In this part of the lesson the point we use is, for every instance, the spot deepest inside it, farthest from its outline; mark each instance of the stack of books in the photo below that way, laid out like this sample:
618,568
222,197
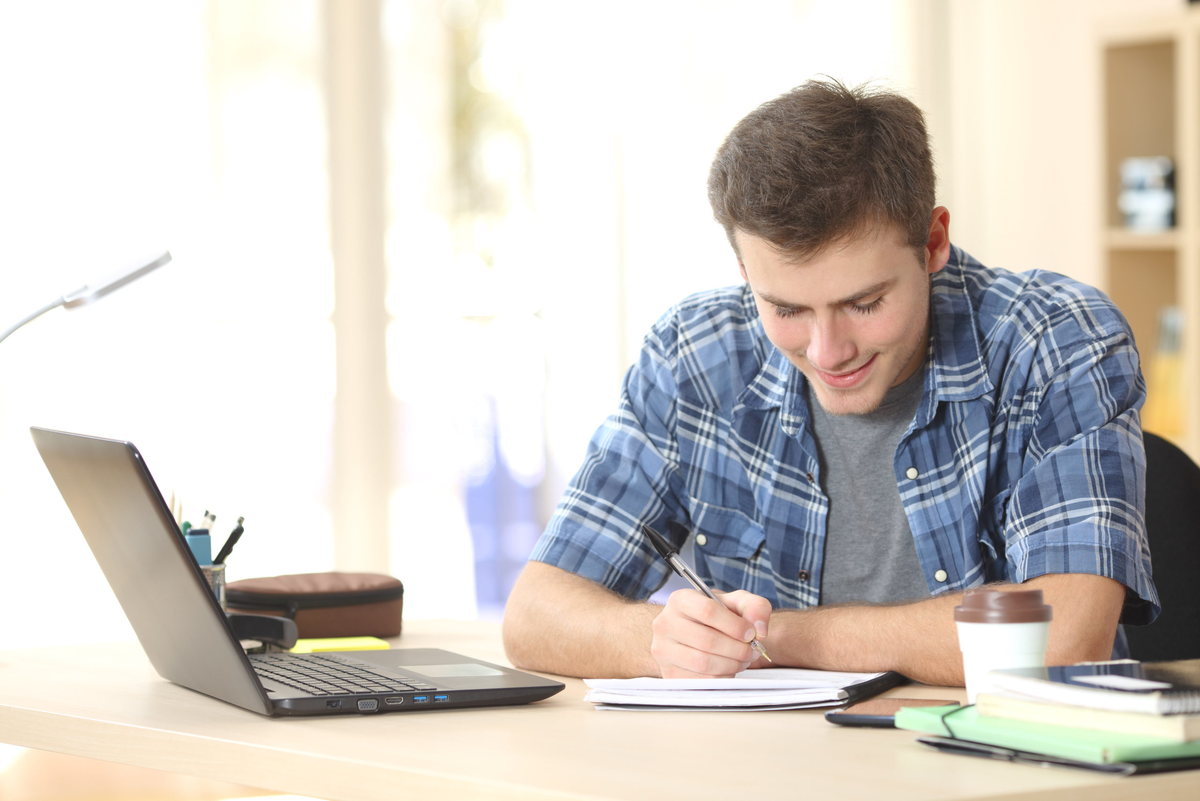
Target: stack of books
1119,717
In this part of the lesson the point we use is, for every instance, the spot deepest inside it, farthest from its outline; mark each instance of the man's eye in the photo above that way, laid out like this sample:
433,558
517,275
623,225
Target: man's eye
785,313
867,308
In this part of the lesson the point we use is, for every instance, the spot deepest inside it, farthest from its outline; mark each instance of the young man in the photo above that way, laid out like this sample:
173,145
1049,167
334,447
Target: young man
871,424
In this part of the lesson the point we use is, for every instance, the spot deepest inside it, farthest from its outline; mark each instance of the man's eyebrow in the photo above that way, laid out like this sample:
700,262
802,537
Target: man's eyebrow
857,296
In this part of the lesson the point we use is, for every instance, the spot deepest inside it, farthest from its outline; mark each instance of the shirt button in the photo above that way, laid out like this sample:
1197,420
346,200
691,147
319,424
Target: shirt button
940,575
811,479
911,472
803,575
701,539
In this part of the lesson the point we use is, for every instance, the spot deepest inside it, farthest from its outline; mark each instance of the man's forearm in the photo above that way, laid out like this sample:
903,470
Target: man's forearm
920,639
916,639
558,622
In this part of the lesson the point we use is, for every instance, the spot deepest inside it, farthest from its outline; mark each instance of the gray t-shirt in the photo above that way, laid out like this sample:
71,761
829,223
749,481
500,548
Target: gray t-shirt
869,550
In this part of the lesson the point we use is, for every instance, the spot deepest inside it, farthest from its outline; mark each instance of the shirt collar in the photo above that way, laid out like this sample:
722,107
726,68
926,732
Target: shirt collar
955,370
958,371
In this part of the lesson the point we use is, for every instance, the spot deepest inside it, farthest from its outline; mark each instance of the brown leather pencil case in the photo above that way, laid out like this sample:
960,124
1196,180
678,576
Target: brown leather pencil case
324,604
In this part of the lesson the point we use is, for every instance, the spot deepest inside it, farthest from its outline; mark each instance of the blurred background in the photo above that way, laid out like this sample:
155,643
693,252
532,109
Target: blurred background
418,242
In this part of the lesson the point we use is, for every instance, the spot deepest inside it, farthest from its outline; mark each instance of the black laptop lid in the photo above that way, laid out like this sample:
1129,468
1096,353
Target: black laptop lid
133,536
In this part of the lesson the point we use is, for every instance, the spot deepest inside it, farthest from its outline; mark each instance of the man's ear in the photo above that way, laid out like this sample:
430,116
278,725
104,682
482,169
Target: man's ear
742,269
937,248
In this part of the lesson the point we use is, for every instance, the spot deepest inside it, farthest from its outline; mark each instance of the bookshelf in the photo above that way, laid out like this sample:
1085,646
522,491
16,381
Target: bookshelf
1150,89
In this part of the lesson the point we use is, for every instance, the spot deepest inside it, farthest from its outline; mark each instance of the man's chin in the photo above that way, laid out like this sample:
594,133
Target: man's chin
860,400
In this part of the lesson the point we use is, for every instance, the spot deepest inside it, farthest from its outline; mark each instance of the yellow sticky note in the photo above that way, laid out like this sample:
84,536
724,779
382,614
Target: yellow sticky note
340,644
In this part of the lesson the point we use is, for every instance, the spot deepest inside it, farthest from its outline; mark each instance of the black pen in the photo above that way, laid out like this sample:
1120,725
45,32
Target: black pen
234,536
682,569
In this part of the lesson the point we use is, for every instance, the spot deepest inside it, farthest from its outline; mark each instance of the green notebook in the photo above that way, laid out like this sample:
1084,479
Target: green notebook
1084,745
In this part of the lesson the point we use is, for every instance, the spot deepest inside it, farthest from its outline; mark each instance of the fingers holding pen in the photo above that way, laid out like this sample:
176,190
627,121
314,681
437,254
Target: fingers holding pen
701,634
697,636
755,609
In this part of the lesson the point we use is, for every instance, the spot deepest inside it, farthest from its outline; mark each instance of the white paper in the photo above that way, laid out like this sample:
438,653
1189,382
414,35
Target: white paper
767,678
716,698
769,688
1119,682
771,708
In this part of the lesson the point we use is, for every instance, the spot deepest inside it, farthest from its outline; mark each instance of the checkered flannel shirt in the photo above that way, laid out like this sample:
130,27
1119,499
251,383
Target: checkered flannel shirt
1026,447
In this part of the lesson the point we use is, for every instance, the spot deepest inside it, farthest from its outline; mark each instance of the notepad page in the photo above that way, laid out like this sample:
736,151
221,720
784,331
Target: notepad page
766,678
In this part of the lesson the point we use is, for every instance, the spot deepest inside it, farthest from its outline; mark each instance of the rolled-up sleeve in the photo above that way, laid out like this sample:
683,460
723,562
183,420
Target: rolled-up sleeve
1079,504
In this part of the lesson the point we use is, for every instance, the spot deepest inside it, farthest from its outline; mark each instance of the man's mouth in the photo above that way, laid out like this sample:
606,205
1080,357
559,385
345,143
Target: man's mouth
847,380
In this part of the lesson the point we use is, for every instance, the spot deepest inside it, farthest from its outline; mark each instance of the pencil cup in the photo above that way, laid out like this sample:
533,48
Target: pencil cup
999,630
215,574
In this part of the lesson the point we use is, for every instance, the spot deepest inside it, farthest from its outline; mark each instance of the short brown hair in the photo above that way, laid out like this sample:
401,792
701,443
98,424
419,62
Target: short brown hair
825,163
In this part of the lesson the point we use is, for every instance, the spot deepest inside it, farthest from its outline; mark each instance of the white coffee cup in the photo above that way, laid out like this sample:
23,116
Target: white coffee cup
1000,629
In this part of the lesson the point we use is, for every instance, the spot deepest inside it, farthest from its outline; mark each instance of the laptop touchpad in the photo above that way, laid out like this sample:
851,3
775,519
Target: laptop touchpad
459,670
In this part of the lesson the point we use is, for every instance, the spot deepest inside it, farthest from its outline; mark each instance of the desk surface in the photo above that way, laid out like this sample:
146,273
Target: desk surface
106,702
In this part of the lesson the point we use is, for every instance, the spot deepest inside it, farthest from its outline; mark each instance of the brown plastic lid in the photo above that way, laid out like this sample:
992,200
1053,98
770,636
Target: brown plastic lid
985,605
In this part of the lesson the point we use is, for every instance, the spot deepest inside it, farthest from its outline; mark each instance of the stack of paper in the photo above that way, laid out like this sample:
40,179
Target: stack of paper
1154,688
769,688
1181,728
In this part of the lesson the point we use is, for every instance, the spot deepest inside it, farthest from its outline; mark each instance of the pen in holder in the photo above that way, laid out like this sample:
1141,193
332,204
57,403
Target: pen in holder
215,575
201,546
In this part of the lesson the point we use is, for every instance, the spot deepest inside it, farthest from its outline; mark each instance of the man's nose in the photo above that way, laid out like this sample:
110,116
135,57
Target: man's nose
829,347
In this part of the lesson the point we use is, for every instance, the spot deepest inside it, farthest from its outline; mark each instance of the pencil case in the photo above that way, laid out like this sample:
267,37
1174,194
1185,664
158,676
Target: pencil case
324,604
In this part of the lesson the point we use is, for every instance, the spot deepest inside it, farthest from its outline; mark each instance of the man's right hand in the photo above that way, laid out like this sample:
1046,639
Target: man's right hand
697,637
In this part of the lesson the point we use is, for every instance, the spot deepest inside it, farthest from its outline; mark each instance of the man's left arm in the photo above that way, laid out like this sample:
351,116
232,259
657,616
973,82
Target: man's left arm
920,640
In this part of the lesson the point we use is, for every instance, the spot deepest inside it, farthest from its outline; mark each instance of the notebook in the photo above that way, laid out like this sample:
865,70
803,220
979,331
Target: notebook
1181,728
1158,688
186,636
750,690
965,724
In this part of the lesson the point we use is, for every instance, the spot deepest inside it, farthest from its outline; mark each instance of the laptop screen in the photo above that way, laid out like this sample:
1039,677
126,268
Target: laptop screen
141,551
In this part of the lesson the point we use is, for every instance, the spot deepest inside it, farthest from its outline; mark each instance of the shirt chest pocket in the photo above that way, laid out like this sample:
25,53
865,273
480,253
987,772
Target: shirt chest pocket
727,543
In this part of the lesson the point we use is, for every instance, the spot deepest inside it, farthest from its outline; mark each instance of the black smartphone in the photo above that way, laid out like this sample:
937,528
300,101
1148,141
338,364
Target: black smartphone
879,713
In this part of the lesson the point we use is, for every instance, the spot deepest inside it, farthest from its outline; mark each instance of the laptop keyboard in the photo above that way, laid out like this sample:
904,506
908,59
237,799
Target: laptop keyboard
324,674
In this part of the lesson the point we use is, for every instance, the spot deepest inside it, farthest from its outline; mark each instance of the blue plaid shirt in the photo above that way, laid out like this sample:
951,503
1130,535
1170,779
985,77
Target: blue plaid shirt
1027,449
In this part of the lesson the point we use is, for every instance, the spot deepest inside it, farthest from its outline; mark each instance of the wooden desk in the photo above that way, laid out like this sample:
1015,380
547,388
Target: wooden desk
105,702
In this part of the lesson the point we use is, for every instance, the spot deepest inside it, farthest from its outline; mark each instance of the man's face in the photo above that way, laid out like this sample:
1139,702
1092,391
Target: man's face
854,318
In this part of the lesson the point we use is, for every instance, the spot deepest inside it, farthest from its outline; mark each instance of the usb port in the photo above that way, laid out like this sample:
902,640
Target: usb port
440,698
394,700
420,699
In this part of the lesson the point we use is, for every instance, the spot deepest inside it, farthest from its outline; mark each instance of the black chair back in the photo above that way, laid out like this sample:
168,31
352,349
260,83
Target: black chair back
1173,528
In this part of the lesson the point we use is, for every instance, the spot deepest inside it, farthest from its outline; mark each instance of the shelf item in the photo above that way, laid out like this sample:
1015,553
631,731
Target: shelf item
1147,199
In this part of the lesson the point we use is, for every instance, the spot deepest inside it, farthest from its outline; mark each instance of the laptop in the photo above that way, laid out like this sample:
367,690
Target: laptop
189,641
